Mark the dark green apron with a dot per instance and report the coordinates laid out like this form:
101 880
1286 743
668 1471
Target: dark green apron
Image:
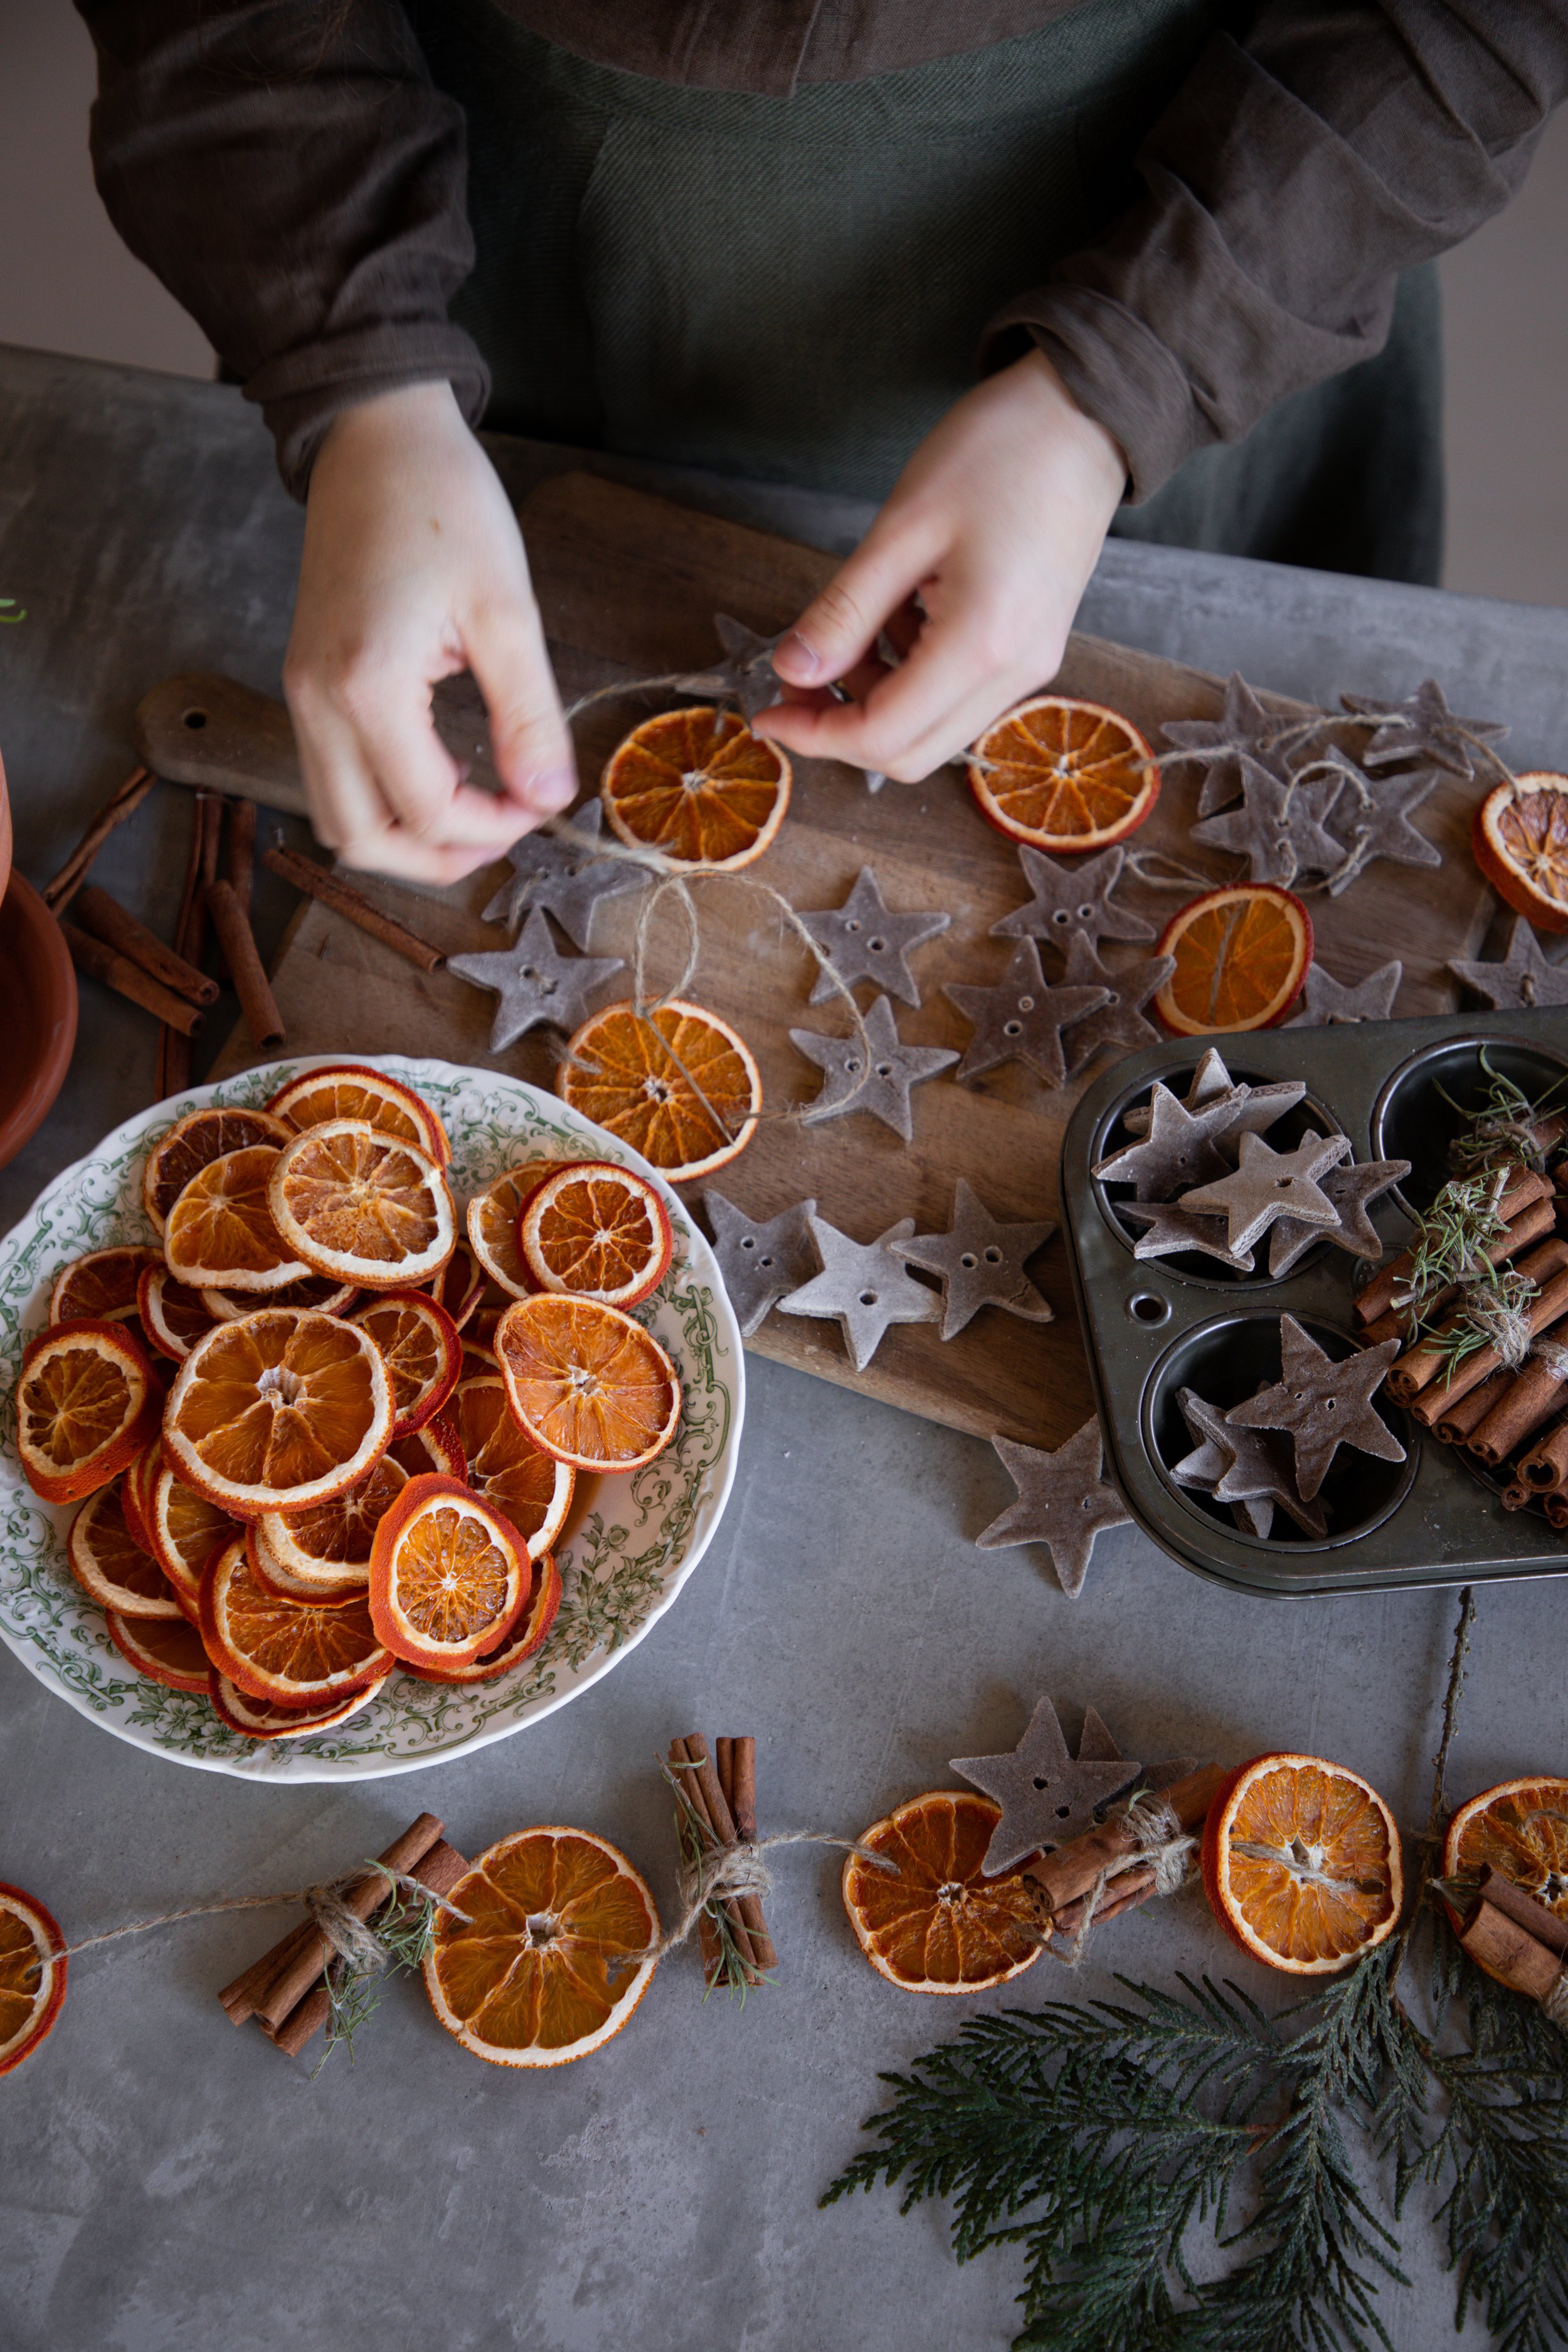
794 290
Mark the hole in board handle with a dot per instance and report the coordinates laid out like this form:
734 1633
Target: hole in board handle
194 719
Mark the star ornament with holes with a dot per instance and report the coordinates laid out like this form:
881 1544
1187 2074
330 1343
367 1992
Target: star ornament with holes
1321 1404
881 1088
981 1262
1064 1502
761 1259
535 983
863 940
1421 727
1022 1018
1047 1795
566 878
863 1287
1065 899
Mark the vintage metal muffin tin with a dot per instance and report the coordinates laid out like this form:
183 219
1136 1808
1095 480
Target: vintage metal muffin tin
1165 1324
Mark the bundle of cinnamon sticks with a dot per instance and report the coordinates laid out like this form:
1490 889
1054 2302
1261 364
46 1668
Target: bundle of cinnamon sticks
1520 1942
1068 1875
721 1810
1527 1207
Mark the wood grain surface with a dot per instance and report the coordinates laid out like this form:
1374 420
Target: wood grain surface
628 585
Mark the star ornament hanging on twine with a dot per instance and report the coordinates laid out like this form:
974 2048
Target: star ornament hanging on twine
881 1087
1422 727
565 878
1047 1795
1279 828
1321 1405
746 676
1022 1018
536 985
762 1260
1522 978
1325 1000
863 940
1064 1502
981 1262
1068 899
1245 726
863 1287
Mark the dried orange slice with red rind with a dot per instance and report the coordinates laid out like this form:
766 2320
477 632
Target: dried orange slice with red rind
460 1286
492 1226
587 1382
87 1402
317 1292
436 1446
286 1652
193 1143
596 1231
527 1636
1064 776
1519 837
325 1589
421 1350
33 1975
278 1411
1521 1829
101 1288
1241 956
110 1565
698 787
361 1206
167 1650
331 1541
531 1487
676 1083
258 1719
448 1574
220 1233
935 1923
172 1316
336 1090
1301 1864
185 1531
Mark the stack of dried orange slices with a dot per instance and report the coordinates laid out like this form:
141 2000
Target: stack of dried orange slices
371 1429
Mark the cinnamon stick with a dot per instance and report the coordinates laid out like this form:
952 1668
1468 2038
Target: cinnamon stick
725 1763
123 802
440 1869
1534 1220
1555 1506
344 899
1510 1951
744 1803
297 1959
1071 1870
1531 1397
1421 1377
1378 1294
241 850
190 938
1457 1421
1122 1893
1524 1910
101 962
1514 1497
1546 1465
702 1783
237 940
108 921
707 1927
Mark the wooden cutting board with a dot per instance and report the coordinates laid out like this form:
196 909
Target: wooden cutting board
628 586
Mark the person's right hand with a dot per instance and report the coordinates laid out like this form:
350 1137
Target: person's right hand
413 570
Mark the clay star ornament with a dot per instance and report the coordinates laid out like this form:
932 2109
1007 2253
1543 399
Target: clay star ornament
1352 1187
1068 899
1325 1000
1245 726
1210 1077
1047 1795
981 1262
762 1260
746 676
1063 1503
1022 1018
1203 1468
567 878
1321 1405
1422 727
1118 1027
1279 828
1371 817
1253 1109
863 941
1522 978
1253 1465
1171 1227
535 983
1268 1185
883 1091
1175 1151
863 1287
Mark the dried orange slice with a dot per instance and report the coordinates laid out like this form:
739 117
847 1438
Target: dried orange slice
171 1316
193 1143
259 1720
1241 956
100 1288
1063 776
586 1383
220 1233
436 1446
544 1966
1520 1828
167 1650
32 1978
448 1574
527 1636
532 1489
329 1544
936 1923
87 1404
319 1292
460 1286
698 787
678 1084
421 1350
286 1652
492 1220
136 1483
1301 1864
186 1529
596 1231
111 1566
278 1411
354 1090
1520 839
323 1593
361 1207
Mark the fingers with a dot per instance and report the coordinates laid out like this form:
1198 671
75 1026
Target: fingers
840 627
533 752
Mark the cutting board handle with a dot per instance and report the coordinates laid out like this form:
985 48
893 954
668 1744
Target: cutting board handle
201 729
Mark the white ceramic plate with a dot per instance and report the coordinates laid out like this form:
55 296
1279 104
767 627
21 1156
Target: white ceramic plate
640 1541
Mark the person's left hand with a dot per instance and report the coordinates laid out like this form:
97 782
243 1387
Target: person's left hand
996 523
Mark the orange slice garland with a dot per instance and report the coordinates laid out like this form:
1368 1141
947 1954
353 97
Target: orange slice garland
1063 776
1521 1829
596 1231
586 1383
530 1487
110 1564
1301 1864
698 787
87 1404
278 1411
284 1652
1519 837
421 1350
32 1978
193 1143
220 1233
677 1085
361 1206
353 1090
101 1288
1241 956
449 1575
940 1924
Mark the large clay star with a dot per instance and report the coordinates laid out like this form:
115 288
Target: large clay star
567 878
1065 899
1247 726
1118 1027
1063 1502
1022 1018
862 941
883 1091
1352 1188
1046 1796
981 1262
1210 1079
535 983
1371 817
1268 1185
863 1287
1325 1000
1247 1465
1422 727
1176 1151
1279 828
762 1260
1523 978
1323 1405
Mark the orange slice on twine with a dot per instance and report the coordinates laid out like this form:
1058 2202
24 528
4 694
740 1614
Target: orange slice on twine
677 1085
460 1286
354 1090
492 1223
111 1566
421 1350
185 1531
87 1404
935 1923
193 1143
596 1231
259 1720
585 1383
319 1292
172 1316
1241 956
220 1233
1301 1864
278 1411
1520 1828
530 1488
286 1652
698 787
362 1207
1519 837
1063 776
100 1288
329 1544
527 1636
167 1650
436 1446
448 1574
32 1980
544 1964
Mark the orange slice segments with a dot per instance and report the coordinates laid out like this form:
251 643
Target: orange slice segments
32 1978
935 1923
362 1207
1241 956
585 1383
1301 1864
193 1143
1521 1829
111 1566
1520 840
677 1085
285 1652
186 1529
354 1090
492 1222
258 1719
329 1544
546 1965
171 1316
530 1488
278 1411
527 1636
101 1288
422 1352
698 787
87 1404
449 1575
167 1650
596 1231
460 1286
1063 776
220 1233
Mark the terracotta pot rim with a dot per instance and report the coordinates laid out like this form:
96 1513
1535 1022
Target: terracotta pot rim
33 940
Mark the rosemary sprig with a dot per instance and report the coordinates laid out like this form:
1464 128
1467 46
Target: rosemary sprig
1500 1134
1483 1319
1458 1227
405 1930
733 1973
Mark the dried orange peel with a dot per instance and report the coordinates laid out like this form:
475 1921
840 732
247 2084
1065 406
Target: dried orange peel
526 1637
421 1350
87 1404
220 1233
193 1143
260 1720
934 1922
492 1228
32 1976
1301 1864
329 1544
101 1288
1519 838
675 1083
698 787
109 1563
167 1650
586 1383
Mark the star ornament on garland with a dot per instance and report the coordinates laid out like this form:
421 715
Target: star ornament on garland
1247 726
863 940
566 878
1279 828
864 1287
1047 1795
746 676
1119 1026
1522 978
1065 900
535 983
883 1091
981 1262
1422 727
1326 1001
1064 1502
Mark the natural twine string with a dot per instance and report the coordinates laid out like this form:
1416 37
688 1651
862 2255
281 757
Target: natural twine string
715 1877
344 1931
1553 1355
1160 1842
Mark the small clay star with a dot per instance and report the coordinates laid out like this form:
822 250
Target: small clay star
1422 727
863 942
1323 1405
1176 1151
1171 1227
1063 1502
565 878
1022 1018
863 1287
1371 817
1253 1110
536 983
762 1260
1522 978
1352 1188
1271 1184
1205 1466
981 1262
1046 1796
1067 899
1245 726
1279 828
1118 1027
884 1090
746 676
1325 1000
1253 1464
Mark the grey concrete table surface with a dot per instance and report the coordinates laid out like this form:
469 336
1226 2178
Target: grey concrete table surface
168 2181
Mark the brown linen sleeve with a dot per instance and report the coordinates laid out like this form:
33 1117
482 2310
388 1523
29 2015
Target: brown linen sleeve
293 178
1293 175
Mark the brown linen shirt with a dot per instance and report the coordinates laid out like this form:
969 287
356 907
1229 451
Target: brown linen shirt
294 179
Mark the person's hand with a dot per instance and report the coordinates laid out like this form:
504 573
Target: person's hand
413 570
995 523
